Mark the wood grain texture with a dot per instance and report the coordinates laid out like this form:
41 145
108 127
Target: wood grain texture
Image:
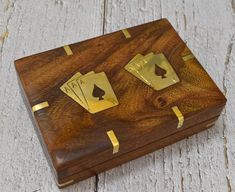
204 162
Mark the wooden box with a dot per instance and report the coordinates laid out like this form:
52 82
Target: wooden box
76 142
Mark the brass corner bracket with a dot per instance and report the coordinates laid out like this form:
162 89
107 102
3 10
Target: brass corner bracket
179 115
65 183
114 141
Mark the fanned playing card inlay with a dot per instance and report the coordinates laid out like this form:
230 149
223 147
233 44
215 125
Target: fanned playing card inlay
92 91
153 69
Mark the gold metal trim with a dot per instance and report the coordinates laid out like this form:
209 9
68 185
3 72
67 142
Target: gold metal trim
114 141
68 50
126 33
179 116
65 184
210 124
188 57
40 106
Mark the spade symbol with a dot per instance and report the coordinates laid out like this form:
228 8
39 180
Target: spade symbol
160 71
98 92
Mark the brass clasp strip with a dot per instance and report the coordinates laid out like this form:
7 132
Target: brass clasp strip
40 106
114 141
188 57
68 50
179 116
126 33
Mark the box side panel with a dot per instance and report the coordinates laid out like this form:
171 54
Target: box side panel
156 134
137 153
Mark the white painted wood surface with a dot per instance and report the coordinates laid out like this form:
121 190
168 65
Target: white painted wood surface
203 162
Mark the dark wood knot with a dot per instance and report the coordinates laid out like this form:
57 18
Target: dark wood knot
160 102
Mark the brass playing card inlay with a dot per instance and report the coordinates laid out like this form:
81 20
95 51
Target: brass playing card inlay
92 91
153 69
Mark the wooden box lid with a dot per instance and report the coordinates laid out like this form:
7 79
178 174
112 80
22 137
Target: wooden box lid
76 140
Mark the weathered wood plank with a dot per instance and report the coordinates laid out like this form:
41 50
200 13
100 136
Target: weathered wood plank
35 26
